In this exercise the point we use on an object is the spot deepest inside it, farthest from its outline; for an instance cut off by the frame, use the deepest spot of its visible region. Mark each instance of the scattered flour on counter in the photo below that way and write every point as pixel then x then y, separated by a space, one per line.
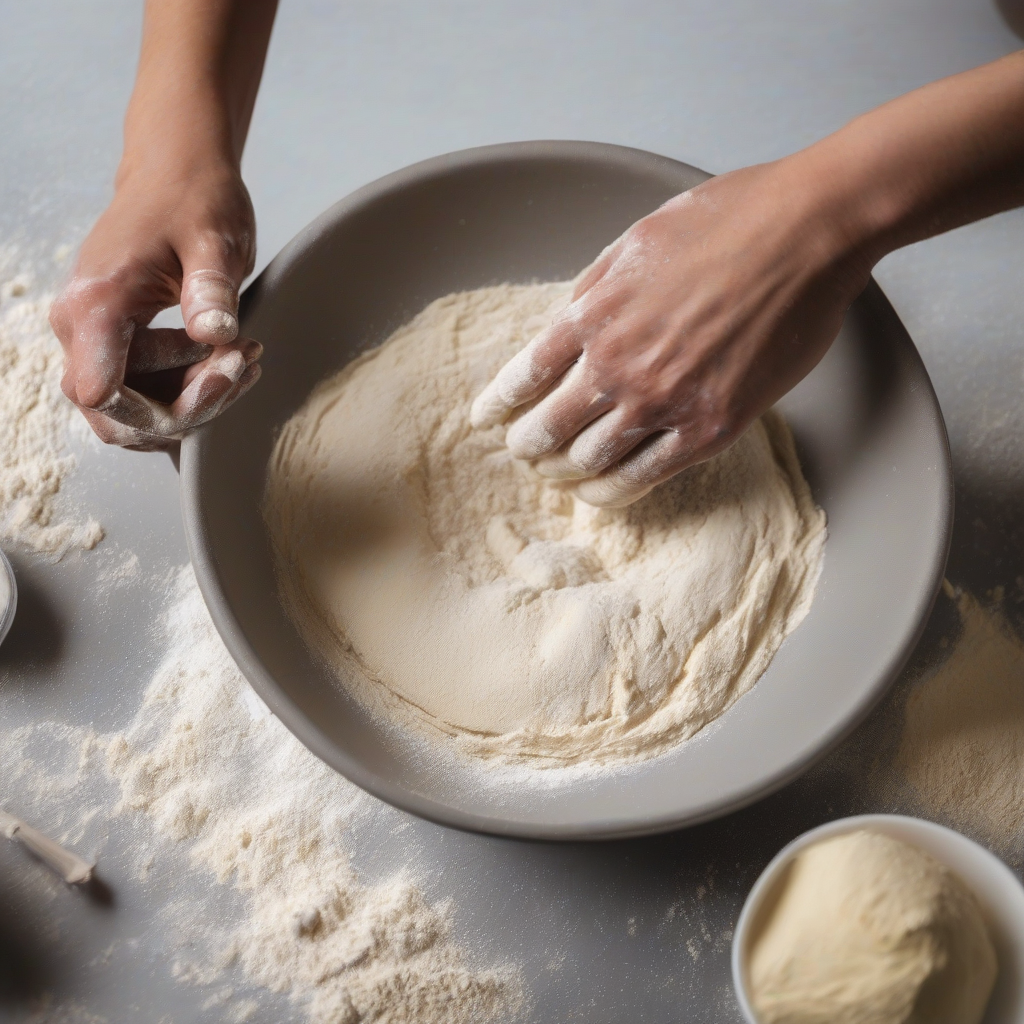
pixel 204 770
pixel 206 766
pixel 453 588
pixel 209 765
pixel 35 422
pixel 962 746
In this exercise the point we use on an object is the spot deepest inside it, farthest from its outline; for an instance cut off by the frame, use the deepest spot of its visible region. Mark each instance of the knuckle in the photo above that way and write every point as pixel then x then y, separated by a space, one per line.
pixel 642 231
pixel 722 425
pixel 93 395
pixel 225 245
pixel 60 319
pixel 659 405
pixel 720 429
pixel 645 234
pixel 107 430
pixel 91 298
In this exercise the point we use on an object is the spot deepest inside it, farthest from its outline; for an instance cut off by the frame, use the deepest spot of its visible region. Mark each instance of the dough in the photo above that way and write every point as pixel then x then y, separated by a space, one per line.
pixel 450 585
pixel 870 930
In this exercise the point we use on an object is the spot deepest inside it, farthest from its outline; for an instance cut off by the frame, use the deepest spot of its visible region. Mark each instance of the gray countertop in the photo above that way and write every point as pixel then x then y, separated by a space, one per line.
pixel 633 931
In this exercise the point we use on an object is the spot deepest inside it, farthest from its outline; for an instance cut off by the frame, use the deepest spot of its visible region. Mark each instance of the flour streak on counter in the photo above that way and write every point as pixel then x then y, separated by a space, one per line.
pixel 36 422
pixel 208 767
pixel 961 751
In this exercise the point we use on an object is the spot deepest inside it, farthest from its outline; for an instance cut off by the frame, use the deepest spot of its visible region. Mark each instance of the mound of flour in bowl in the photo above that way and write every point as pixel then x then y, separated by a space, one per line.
pixel 451 587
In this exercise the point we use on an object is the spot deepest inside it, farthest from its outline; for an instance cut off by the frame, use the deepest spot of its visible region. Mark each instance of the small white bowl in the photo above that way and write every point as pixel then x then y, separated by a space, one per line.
pixel 998 891
pixel 8 596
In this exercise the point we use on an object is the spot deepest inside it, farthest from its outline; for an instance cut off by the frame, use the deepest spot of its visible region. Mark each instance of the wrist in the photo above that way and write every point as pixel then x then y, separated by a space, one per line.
pixel 845 190
pixel 176 129
pixel 177 156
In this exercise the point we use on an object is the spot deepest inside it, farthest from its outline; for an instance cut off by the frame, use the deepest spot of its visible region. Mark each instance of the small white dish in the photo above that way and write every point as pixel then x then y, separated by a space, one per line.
pixel 997 888
pixel 8 596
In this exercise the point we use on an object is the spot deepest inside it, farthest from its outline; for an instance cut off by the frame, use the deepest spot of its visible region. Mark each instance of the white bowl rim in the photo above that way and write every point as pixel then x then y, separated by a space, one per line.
pixel 1004 916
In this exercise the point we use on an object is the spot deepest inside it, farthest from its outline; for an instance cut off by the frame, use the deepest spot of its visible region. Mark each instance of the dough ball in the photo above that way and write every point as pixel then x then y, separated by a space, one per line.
pixel 867 929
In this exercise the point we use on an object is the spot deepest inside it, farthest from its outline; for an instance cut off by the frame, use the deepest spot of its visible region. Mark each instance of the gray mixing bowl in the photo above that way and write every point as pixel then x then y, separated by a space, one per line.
pixel 866 420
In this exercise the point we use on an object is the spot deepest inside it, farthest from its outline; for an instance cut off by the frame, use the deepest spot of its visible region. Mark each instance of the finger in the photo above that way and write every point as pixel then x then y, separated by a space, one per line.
pixel 95 326
pixel 162 348
pixel 165 386
pixel 559 416
pixel 657 459
pixel 210 386
pixel 213 266
pixel 221 359
pixel 213 389
pixel 528 373
pixel 209 306
pixel 600 445
pixel 111 432
pixel 249 377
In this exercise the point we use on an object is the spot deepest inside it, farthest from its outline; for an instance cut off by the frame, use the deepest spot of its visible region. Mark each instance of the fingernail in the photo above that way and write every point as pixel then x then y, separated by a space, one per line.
pixel 252 350
pixel 214 324
pixel 229 364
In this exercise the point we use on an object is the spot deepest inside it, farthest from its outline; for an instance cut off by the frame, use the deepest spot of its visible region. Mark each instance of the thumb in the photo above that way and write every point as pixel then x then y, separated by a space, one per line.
pixel 209 299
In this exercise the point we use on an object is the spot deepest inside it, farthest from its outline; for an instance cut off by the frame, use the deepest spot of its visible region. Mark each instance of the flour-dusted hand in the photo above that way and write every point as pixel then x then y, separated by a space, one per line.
pixel 180 229
pixel 705 312
pixel 190 241
pixel 681 333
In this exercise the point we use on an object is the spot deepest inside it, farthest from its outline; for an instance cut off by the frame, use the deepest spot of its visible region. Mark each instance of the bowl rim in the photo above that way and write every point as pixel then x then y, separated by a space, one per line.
pixel 940 835
pixel 206 567
pixel 7 613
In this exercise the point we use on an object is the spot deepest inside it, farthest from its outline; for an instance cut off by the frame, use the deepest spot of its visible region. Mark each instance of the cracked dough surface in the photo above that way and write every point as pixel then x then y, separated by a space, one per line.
pixel 450 586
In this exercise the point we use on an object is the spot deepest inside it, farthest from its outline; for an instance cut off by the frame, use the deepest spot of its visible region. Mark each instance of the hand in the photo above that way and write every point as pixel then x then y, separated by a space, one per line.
pixel 685 330
pixel 187 237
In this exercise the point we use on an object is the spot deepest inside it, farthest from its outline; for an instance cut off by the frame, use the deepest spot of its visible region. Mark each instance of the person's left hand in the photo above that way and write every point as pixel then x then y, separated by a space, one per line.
pixel 685 330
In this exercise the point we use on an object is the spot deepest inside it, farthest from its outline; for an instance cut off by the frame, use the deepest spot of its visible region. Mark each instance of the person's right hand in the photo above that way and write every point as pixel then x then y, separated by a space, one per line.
pixel 186 236
pixel 684 331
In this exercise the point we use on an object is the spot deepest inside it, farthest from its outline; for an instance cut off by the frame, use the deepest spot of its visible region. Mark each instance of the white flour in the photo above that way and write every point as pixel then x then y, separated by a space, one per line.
pixel 962 746
pixel 452 586
pixel 34 421
pixel 207 766
pixel 211 767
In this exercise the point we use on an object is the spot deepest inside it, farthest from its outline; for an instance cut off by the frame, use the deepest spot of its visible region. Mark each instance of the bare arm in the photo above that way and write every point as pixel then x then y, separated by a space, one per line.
pixel 707 311
pixel 180 228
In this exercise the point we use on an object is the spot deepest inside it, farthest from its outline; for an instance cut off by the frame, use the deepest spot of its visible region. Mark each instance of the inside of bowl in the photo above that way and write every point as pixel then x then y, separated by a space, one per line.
pixel 866 423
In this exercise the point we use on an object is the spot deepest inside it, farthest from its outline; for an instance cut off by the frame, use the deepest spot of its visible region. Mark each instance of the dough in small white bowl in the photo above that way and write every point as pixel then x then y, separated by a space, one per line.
pixel 998 894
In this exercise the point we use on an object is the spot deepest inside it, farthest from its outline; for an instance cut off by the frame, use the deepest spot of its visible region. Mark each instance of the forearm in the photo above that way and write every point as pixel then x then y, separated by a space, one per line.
pixel 199 72
pixel 935 159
